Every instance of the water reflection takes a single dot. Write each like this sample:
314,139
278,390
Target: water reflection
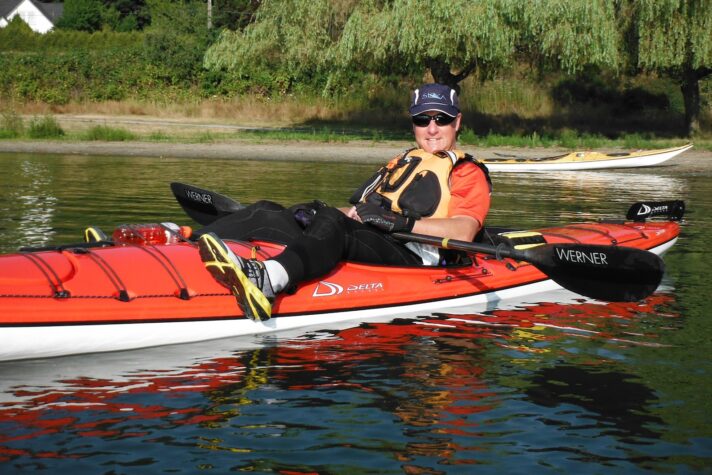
615,402
427,391
33,203
579,196
53,198
563,384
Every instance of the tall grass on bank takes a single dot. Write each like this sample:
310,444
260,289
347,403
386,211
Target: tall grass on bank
516,109
45,127
306,127
11,125
108,134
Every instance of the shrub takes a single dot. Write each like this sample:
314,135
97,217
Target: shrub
45,128
12,124
109,134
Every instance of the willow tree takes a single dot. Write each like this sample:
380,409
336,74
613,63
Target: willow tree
450,38
674,38
568,35
298,40
295,38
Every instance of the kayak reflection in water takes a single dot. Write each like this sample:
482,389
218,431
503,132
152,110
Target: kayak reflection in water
434,189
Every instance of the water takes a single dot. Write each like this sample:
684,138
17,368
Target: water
560,386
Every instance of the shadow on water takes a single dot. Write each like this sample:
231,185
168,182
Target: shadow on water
618,401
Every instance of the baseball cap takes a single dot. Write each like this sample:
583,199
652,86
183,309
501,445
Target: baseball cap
434,97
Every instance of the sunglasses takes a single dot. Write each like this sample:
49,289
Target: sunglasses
423,120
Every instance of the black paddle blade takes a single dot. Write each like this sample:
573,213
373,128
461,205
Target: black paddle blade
204,206
610,273
673,210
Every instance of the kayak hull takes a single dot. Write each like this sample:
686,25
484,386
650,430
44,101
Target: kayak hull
584,161
71,301
53,340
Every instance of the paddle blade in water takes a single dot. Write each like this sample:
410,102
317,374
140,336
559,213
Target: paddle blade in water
610,273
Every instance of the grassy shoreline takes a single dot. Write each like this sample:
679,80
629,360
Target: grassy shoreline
77,128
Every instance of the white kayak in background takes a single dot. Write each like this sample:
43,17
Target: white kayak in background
587,160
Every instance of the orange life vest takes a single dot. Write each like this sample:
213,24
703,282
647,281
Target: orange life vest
416,183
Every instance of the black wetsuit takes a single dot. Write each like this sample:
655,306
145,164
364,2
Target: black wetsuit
315,247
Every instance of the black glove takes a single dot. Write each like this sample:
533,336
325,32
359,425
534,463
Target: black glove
383,219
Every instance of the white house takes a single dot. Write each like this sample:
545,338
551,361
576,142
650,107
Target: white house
40,16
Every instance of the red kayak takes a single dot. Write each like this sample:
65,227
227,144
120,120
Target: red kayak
108,296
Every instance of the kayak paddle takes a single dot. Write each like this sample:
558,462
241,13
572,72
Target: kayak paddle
609,273
672,210
203,206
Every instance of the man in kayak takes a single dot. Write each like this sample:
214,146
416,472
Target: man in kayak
435,190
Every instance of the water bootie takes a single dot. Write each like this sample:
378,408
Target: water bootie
247,279
94,234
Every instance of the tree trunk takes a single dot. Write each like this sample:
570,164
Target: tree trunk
442,74
210,14
691,95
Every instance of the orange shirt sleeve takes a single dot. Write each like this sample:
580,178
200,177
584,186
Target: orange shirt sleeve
470,193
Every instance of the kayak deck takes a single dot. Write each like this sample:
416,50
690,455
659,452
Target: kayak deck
155,283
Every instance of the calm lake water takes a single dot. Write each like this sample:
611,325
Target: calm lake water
557,385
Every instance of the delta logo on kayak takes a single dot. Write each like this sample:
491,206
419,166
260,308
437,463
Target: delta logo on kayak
645,209
329,289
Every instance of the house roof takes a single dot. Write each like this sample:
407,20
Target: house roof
51,10
6,6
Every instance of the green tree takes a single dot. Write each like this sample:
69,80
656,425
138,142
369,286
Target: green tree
234,14
567,35
673,38
17,35
130,14
293,39
178,36
94,15
82,15
451,38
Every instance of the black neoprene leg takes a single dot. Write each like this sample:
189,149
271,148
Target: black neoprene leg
332,237
263,220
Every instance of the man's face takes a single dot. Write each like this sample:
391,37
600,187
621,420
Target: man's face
433,137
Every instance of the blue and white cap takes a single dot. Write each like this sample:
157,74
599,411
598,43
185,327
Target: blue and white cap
434,97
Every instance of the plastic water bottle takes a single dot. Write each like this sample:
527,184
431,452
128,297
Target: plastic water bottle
151,233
